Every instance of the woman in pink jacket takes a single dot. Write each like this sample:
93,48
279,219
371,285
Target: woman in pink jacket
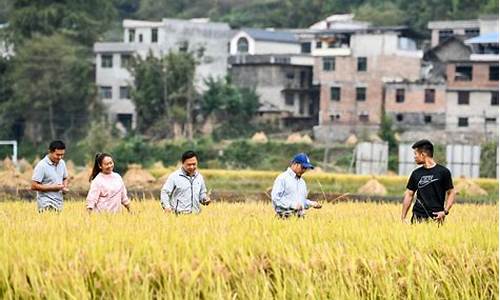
107,191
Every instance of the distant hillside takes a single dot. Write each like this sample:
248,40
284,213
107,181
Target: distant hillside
302,13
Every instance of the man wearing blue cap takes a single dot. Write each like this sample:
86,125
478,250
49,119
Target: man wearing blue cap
289,192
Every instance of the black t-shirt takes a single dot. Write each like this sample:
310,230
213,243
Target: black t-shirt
431,186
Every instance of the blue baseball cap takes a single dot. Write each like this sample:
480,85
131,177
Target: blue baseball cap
303,159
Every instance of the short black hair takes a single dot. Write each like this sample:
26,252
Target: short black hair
56,145
188,154
424,146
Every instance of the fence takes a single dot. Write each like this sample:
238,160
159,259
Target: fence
372,158
463,160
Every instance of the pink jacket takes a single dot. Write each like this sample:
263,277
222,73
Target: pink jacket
107,193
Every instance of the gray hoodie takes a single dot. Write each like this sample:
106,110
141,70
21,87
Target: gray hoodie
182,193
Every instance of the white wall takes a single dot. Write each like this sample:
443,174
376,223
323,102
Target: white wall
265,47
479,107
256,47
233,47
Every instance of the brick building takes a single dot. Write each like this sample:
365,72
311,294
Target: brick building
273,64
472,91
352,67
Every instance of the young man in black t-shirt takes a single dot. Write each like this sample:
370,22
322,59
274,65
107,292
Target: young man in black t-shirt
432,183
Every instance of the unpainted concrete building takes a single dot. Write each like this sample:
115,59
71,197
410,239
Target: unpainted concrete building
113,79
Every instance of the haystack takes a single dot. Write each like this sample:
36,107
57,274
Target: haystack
80,181
13,179
70,166
374,138
259,137
467,187
373,187
351,140
24,166
158,165
36,161
137,177
8,165
306,139
294,138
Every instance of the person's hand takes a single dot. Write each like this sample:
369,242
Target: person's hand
206,201
58,187
404,221
65,189
439,216
316,204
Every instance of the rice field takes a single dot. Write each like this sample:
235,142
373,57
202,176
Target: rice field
241,251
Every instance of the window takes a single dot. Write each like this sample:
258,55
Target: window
154,35
328,63
319,44
361,64
471,32
335,117
242,45
364,117
125,60
430,95
490,120
131,35
463,98
335,93
124,92
289,98
105,92
399,117
183,46
302,104
305,47
360,94
463,122
444,35
290,75
494,73
303,79
125,119
463,73
140,38
494,98
400,95
107,61
427,119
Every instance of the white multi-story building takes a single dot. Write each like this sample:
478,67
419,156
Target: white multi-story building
472,91
113,79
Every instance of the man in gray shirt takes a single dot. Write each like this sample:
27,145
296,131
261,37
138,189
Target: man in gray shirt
185,190
50,179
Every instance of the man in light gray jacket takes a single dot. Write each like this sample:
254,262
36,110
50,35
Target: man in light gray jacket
185,189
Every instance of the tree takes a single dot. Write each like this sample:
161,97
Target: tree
382,14
164,94
53,90
180,72
5,7
388,134
81,21
233,108
148,94
9,124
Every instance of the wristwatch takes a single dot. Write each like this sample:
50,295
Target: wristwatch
446,212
